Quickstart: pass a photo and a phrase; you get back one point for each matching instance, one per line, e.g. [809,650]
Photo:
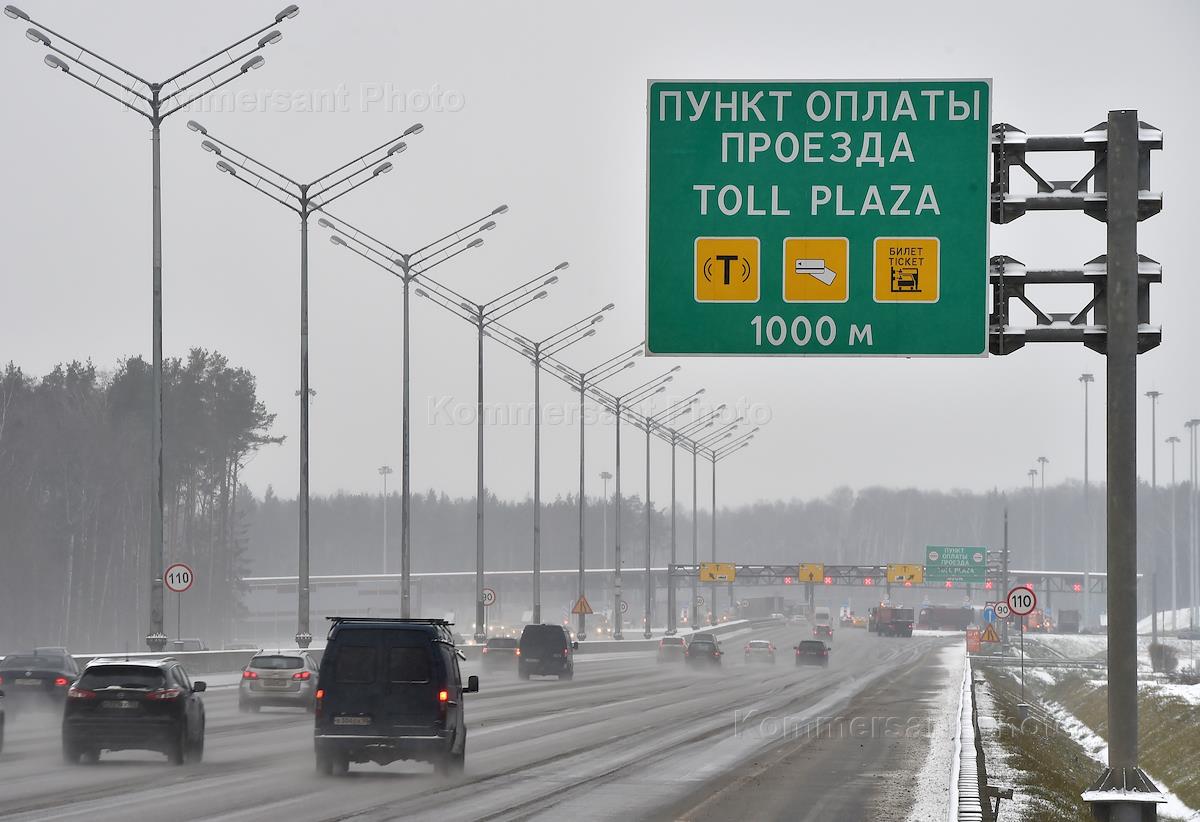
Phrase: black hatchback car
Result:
[702,652]
[545,650]
[140,704]
[812,652]
[37,679]
[390,689]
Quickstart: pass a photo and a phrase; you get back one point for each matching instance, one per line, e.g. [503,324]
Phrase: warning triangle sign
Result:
[581,606]
[989,634]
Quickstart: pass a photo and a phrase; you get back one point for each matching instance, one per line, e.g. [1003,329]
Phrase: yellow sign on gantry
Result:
[906,573]
[811,572]
[718,572]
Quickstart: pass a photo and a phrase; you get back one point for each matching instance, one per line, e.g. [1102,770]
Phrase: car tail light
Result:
[249,675]
[62,682]
[1,680]
[747,649]
[443,696]
[518,652]
[302,675]
[484,651]
[163,694]
[80,693]
[320,694]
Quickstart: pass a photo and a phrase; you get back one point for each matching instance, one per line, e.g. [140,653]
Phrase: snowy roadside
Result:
[934,778]
[1097,749]
[1000,771]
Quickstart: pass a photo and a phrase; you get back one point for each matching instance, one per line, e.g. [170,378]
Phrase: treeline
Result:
[75,497]
[874,525]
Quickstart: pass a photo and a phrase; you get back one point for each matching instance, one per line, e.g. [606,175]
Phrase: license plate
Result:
[531,659]
[269,684]
[28,681]
[118,703]
[352,720]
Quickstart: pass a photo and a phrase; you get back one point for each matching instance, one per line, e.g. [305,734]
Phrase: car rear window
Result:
[672,640]
[812,645]
[549,637]
[760,643]
[28,662]
[408,665]
[354,664]
[502,642]
[276,663]
[121,676]
[703,645]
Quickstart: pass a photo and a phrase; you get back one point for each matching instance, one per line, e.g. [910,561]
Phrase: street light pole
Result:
[605,476]
[407,266]
[696,444]
[1042,506]
[1086,380]
[384,470]
[1033,472]
[1193,571]
[1155,523]
[147,99]
[482,316]
[716,455]
[1173,441]
[304,199]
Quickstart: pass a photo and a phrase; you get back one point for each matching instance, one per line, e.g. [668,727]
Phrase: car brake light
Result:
[163,694]
[443,696]
[249,675]
[80,693]
[62,682]
[518,652]
[302,675]
[320,693]
[1,680]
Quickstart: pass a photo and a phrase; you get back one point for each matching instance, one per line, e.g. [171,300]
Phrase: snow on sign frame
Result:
[179,577]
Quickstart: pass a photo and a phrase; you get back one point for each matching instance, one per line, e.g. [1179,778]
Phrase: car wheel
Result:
[196,754]
[177,751]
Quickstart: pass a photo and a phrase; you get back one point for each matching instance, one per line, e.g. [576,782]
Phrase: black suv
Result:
[546,651]
[140,704]
[390,689]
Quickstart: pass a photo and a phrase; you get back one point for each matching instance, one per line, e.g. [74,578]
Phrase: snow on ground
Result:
[1097,749]
[1085,646]
[1182,620]
[999,772]
[933,781]
[1185,693]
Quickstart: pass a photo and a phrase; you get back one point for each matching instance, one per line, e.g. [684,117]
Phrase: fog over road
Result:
[627,738]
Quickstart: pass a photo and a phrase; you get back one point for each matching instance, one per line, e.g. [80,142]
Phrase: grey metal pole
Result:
[617,535]
[1042,514]
[1122,321]
[1192,569]
[537,484]
[1086,379]
[1172,441]
[713,604]
[581,628]
[303,634]
[480,626]
[1154,395]
[1004,583]
[671,606]
[1033,516]
[156,639]
[649,518]
[405,468]
[695,545]
[384,470]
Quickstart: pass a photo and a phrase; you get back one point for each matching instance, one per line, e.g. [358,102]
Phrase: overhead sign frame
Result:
[798,178]
[718,572]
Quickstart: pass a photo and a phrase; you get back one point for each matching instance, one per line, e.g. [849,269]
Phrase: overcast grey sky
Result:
[542,106]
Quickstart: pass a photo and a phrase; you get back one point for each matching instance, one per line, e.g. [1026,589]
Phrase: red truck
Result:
[892,621]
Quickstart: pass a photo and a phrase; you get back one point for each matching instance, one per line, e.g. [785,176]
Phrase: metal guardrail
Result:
[965,800]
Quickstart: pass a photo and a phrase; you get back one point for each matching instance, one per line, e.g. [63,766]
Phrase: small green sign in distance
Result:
[817,217]
[958,564]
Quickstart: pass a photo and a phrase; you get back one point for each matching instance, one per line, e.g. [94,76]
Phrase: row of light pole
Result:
[154,100]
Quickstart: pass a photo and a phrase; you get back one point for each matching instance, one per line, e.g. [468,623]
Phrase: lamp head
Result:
[323,223]
[541,295]
[36,36]
[396,149]
[336,240]
[382,168]
[288,13]
[228,169]
[269,39]
[609,307]
[194,126]
[478,241]
[54,63]
[252,64]
[550,281]
[561,266]
[209,145]
[421,293]
[500,209]
[415,128]
[15,13]
[488,226]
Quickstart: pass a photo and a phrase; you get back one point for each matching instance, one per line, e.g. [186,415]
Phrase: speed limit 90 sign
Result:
[1022,601]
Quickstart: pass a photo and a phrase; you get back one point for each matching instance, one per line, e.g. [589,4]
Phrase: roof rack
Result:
[412,620]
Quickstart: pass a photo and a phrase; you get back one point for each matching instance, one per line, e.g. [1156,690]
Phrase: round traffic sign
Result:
[745,603]
[178,578]
[489,597]
[1022,600]
[699,601]
[624,607]
[989,615]
[1001,609]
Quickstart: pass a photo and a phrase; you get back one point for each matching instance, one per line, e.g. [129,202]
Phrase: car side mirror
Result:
[472,685]
[199,687]
[574,646]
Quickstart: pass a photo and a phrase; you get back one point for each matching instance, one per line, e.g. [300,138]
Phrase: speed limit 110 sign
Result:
[1022,601]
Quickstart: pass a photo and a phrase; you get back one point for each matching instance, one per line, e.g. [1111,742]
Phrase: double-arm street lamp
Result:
[674,437]
[582,381]
[155,101]
[483,316]
[618,404]
[303,199]
[715,455]
[537,352]
[653,423]
[696,444]
[407,266]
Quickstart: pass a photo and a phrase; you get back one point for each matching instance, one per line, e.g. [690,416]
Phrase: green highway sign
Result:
[817,217]
[966,566]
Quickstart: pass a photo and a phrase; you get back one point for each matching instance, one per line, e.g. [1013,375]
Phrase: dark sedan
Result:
[500,652]
[812,652]
[702,652]
[36,681]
